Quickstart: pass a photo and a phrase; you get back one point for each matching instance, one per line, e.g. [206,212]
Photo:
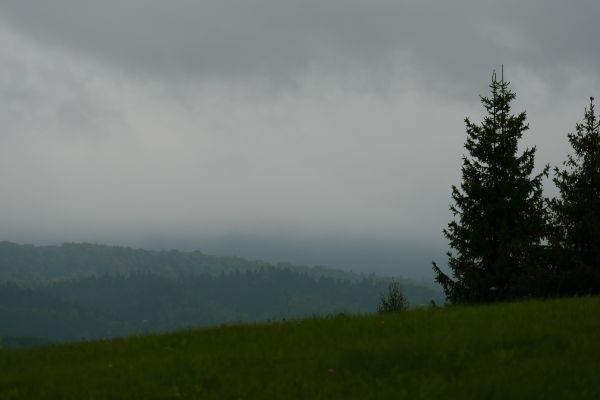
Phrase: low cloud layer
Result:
[336,119]
[276,40]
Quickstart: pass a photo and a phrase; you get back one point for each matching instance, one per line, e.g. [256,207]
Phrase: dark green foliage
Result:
[394,301]
[575,239]
[530,350]
[499,209]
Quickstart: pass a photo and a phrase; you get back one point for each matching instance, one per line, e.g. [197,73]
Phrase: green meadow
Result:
[528,350]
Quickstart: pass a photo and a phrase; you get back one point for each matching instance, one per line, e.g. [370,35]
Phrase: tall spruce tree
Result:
[576,213]
[499,213]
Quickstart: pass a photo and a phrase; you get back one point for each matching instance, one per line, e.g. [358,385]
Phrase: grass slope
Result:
[537,349]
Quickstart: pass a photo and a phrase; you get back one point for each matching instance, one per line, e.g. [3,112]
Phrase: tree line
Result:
[508,241]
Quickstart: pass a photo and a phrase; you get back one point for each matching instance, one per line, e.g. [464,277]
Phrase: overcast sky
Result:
[342,119]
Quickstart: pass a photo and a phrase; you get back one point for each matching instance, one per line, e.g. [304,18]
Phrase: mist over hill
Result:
[74,291]
[410,259]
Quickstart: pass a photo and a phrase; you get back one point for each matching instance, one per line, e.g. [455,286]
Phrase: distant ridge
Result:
[80,290]
[29,264]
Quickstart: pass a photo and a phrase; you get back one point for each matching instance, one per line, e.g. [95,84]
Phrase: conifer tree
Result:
[576,213]
[499,213]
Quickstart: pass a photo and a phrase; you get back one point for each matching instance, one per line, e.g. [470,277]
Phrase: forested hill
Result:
[76,291]
[30,265]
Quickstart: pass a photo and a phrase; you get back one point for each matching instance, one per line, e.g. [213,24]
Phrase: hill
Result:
[77,291]
[536,349]
[31,265]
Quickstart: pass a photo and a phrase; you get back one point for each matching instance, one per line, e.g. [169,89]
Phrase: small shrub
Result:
[394,301]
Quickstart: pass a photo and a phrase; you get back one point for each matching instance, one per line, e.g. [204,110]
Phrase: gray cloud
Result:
[276,40]
[330,119]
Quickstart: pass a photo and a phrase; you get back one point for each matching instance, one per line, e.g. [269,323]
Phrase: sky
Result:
[317,131]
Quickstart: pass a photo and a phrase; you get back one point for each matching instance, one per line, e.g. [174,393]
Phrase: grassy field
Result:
[531,350]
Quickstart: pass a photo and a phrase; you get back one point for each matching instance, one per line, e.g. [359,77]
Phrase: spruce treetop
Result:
[498,208]
[576,213]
